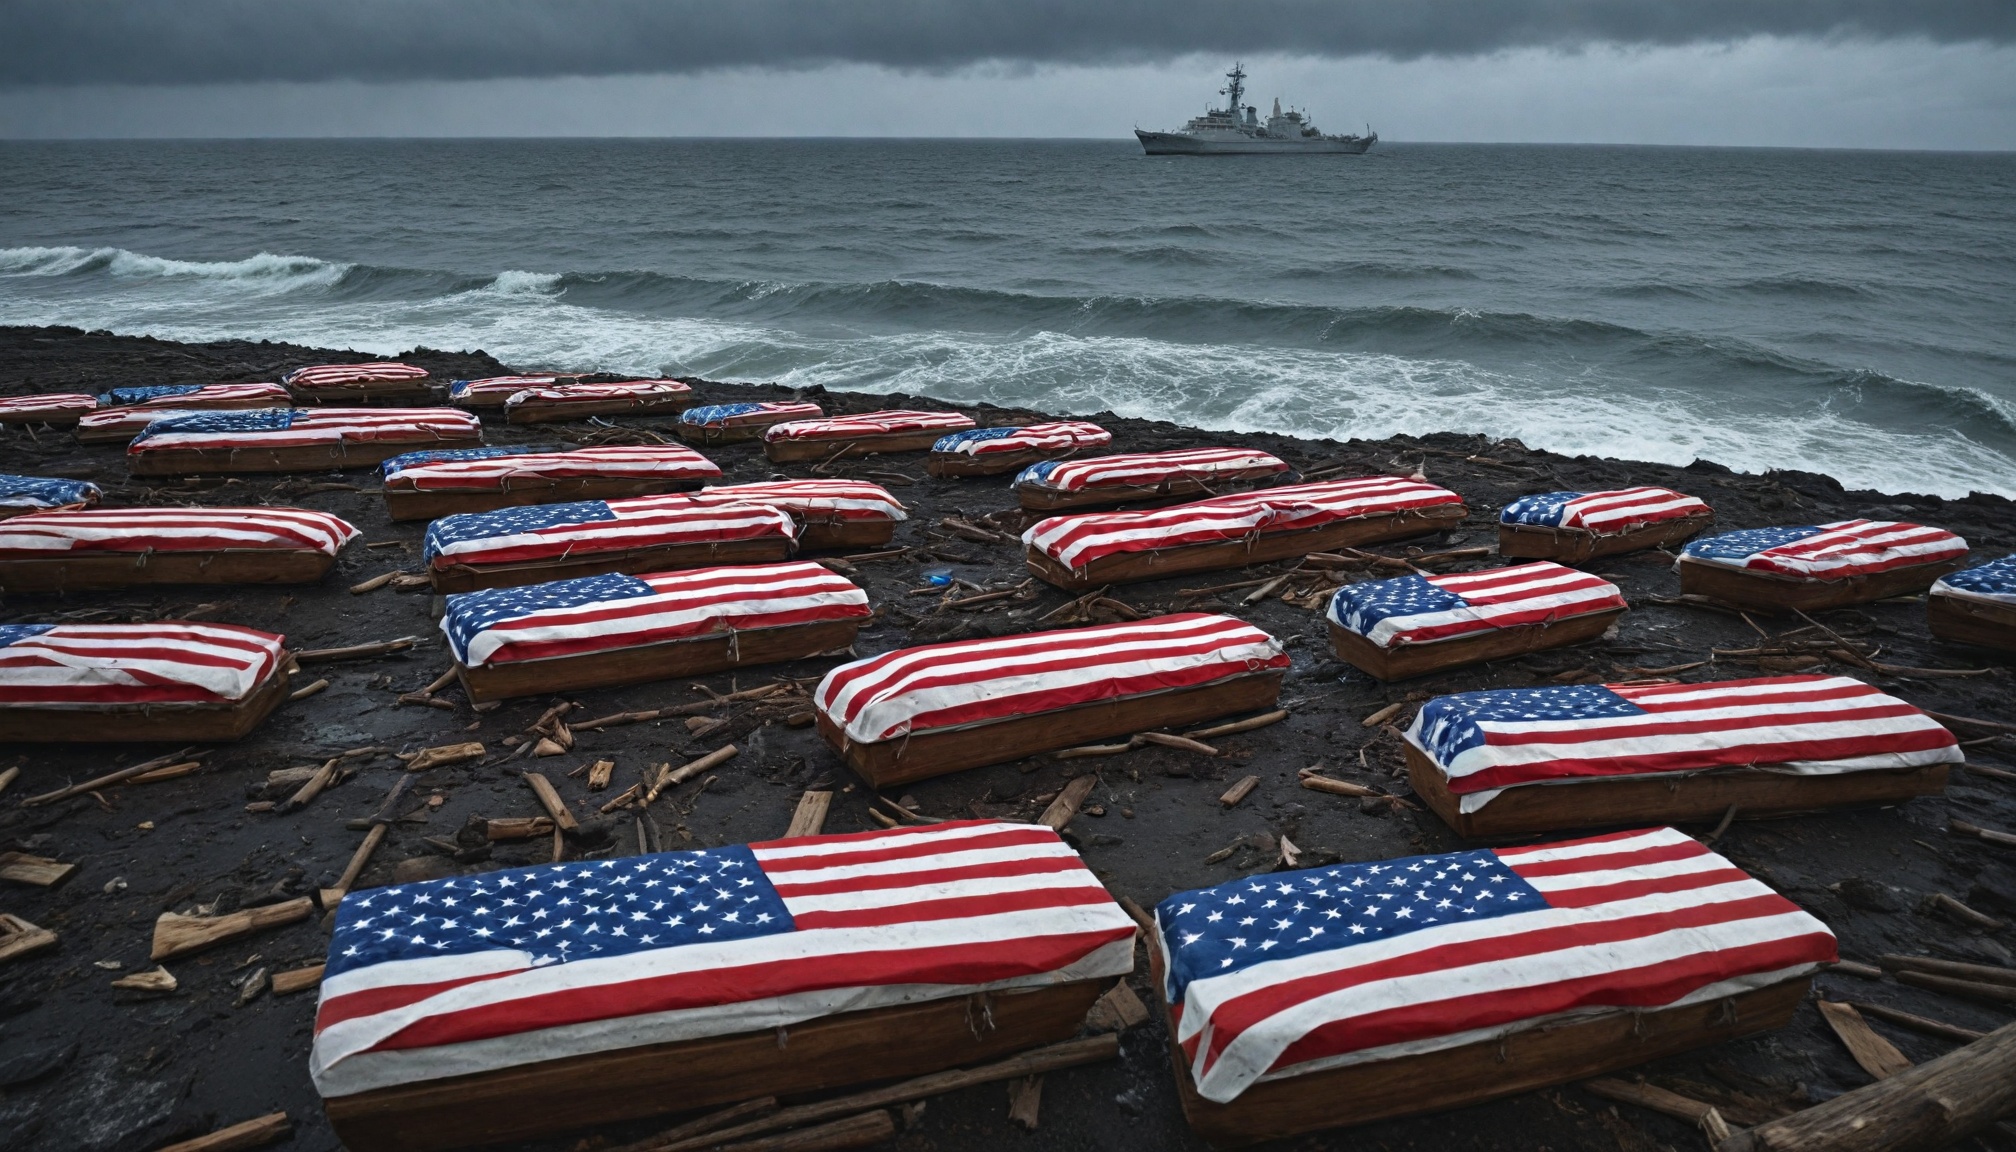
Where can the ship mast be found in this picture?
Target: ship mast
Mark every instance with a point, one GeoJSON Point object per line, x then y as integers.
{"type": "Point", "coordinates": [1236, 89]}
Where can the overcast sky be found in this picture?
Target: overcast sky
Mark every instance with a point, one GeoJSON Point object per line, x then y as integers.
{"type": "Point", "coordinates": [1826, 73]}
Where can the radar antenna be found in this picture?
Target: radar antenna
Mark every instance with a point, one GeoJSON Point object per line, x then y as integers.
{"type": "Point", "coordinates": [1236, 90]}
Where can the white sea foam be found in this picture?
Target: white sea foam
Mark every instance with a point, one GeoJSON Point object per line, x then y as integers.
{"type": "Point", "coordinates": [516, 283]}
{"type": "Point", "coordinates": [265, 271]}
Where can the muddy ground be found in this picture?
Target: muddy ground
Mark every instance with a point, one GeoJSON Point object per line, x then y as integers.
{"type": "Point", "coordinates": [85, 1068]}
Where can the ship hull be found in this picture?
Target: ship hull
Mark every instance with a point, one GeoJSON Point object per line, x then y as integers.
{"type": "Point", "coordinates": [1177, 144]}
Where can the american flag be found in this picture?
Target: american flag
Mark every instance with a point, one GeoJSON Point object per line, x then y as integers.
{"type": "Point", "coordinates": [46, 492]}
{"type": "Point", "coordinates": [1603, 513]}
{"type": "Point", "coordinates": [820, 501]}
{"type": "Point", "coordinates": [1992, 583]}
{"type": "Point", "coordinates": [581, 527]}
{"type": "Point", "coordinates": [502, 469]}
{"type": "Point", "coordinates": [1144, 469]}
{"type": "Point", "coordinates": [1058, 436]}
{"type": "Point", "coordinates": [553, 393]}
{"type": "Point", "coordinates": [1486, 741]}
{"type": "Point", "coordinates": [472, 974]}
{"type": "Point", "coordinates": [409, 460]}
{"type": "Point", "coordinates": [494, 389]}
{"type": "Point", "coordinates": [196, 396]}
{"type": "Point", "coordinates": [603, 613]}
{"type": "Point", "coordinates": [49, 406]}
{"type": "Point", "coordinates": [336, 376]}
{"type": "Point", "coordinates": [1424, 609]}
{"type": "Point", "coordinates": [866, 424]}
{"type": "Point", "coordinates": [1284, 974]}
{"type": "Point", "coordinates": [1837, 551]}
{"type": "Point", "coordinates": [748, 415]}
{"type": "Point", "coordinates": [172, 530]}
{"type": "Point", "coordinates": [288, 427]}
{"type": "Point", "coordinates": [86, 665]}
{"type": "Point", "coordinates": [968, 682]}
{"type": "Point", "coordinates": [1076, 541]}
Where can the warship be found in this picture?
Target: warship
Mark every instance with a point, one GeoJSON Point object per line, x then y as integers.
{"type": "Point", "coordinates": [1236, 129]}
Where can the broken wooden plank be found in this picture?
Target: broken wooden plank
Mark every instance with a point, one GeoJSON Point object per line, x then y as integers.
{"type": "Point", "coordinates": [1877, 1056]}
{"type": "Point", "coordinates": [748, 1109]}
{"type": "Point", "coordinates": [1383, 715]}
{"type": "Point", "coordinates": [853, 1132]}
{"type": "Point", "coordinates": [1335, 787]}
{"type": "Point", "coordinates": [691, 769]}
{"type": "Point", "coordinates": [1182, 743]}
{"type": "Point", "coordinates": [1934, 1105]}
{"type": "Point", "coordinates": [1118, 1010]}
{"type": "Point", "coordinates": [1066, 805]}
{"type": "Point", "coordinates": [19, 938]}
{"type": "Point", "coordinates": [1025, 1101]}
{"type": "Point", "coordinates": [1985, 835]}
{"type": "Point", "coordinates": [517, 828]}
{"type": "Point", "coordinates": [39, 871]}
{"type": "Point", "coordinates": [168, 772]}
{"type": "Point", "coordinates": [7, 777]}
{"type": "Point", "coordinates": [110, 778]}
{"type": "Point", "coordinates": [809, 818]}
{"type": "Point", "coordinates": [355, 651]}
{"type": "Point", "coordinates": [1239, 791]}
{"type": "Point", "coordinates": [1989, 973]}
{"type": "Point", "coordinates": [599, 774]}
{"type": "Point", "coordinates": [442, 754]}
{"type": "Point", "coordinates": [1246, 725]}
{"type": "Point", "coordinates": [255, 1133]}
{"type": "Point", "coordinates": [1653, 1098]}
{"type": "Point", "coordinates": [313, 787]}
{"type": "Point", "coordinates": [1917, 1023]}
{"type": "Point", "coordinates": [307, 690]}
{"type": "Point", "coordinates": [330, 897]}
{"type": "Point", "coordinates": [1941, 902]}
{"type": "Point", "coordinates": [297, 980]}
{"type": "Point", "coordinates": [178, 935]}
{"type": "Point", "coordinates": [563, 817]}
{"type": "Point", "coordinates": [1977, 989]}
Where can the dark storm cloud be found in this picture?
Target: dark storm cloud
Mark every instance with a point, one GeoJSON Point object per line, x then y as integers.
{"type": "Point", "coordinates": [68, 42]}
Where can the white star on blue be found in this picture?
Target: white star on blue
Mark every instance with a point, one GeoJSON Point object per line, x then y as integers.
{"type": "Point", "coordinates": [464, 526]}
{"type": "Point", "coordinates": [407, 460]}
{"type": "Point", "coordinates": [1038, 472]}
{"type": "Point", "coordinates": [43, 491]}
{"type": "Point", "coordinates": [140, 395]}
{"type": "Point", "coordinates": [1545, 508]}
{"type": "Point", "coordinates": [222, 423]}
{"type": "Point", "coordinates": [11, 634]}
{"type": "Point", "coordinates": [715, 413]}
{"type": "Point", "coordinates": [470, 613]}
{"type": "Point", "coordinates": [1995, 578]}
{"type": "Point", "coordinates": [1360, 607]}
{"type": "Point", "coordinates": [971, 436]}
{"type": "Point", "coordinates": [1748, 542]}
{"type": "Point", "coordinates": [1451, 724]}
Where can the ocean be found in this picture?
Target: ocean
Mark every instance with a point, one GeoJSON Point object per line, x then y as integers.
{"type": "Point", "coordinates": [1852, 313]}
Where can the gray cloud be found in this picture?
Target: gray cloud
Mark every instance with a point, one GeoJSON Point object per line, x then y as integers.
{"type": "Point", "coordinates": [73, 42]}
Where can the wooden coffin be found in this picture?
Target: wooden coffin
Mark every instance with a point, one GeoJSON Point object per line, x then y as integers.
{"type": "Point", "coordinates": [831, 515]}
{"type": "Point", "coordinates": [650, 662]}
{"type": "Point", "coordinates": [550, 403]}
{"type": "Point", "coordinates": [863, 434]}
{"type": "Point", "coordinates": [1771, 592]}
{"type": "Point", "coordinates": [1150, 476]}
{"type": "Point", "coordinates": [735, 423]}
{"type": "Point", "coordinates": [1965, 621]}
{"type": "Point", "coordinates": [1261, 548]}
{"type": "Point", "coordinates": [1579, 545]}
{"type": "Point", "coordinates": [493, 391]}
{"type": "Point", "coordinates": [377, 393]}
{"type": "Point", "coordinates": [22, 495]}
{"type": "Point", "coordinates": [1006, 449]}
{"type": "Point", "coordinates": [179, 723]}
{"type": "Point", "coordinates": [1406, 660]}
{"type": "Point", "coordinates": [844, 447]}
{"type": "Point", "coordinates": [470, 577]}
{"type": "Point", "coordinates": [844, 535]}
{"type": "Point", "coordinates": [62, 551]}
{"type": "Point", "coordinates": [1492, 1069]}
{"type": "Point", "coordinates": [295, 458]}
{"type": "Point", "coordinates": [380, 382]}
{"type": "Point", "coordinates": [1674, 798]}
{"type": "Point", "coordinates": [294, 439]}
{"type": "Point", "coordinates": [58, 410]}
{"type": "Point", "coordinates": [541, 1100]}
{"type": "Point", "coordinates": [405, 504]}
{"type": "Point", "coordinates": [88, 571]}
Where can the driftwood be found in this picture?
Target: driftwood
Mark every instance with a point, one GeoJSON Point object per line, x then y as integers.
{"type": "Point", "coordinates": [355, 651]}
{"type": "Point", "coordinates": [156, 981]}
{"type": "Point", "coordinates": [518, 828]}
{"type": "Point", "coordinates": [1067, 803]}
{"type": "Point", "coordinates": [1877, 1056]}
{"type": "Point", "coordinates": [1952, 968]}
{"type": "Point", "coordinates": [1985, 835]}
{"type": "Point", "coordinates": [307, 690]}
{"type": "Point", "coordinates": [1917, 1023]}
{"type": "Point", "coordinates": [809, 818]}
{"type": "Point", "coordinates": [7, 777]}
{"type": "Point", "coordinates": [297, 980]}
{"type": "Point", "coordinates": [1383, 715]}
{"type": "Point", "coordinates": [441, 754]}
{"type": "Point", "coordinates": [687, 771]}
{"type": "Point", "coordinates": [1118, 1010]}
{"type": "Point", "coordinates": [19, 938]}
{"type": "Point", "coordinates": [40, 871]}
{"type": "Point", "coordinates": [563, 817]}
{"type": "Point", "coordinates": [1246, 725]}
{"type": "Point", "coordinates": [1181, 743]}
{"type": "Point", "coordinates": [1239, 791]}
{"type": "Point", "coordinates": [250, 1134]}
{"type": "Point", "coordinates": [1653, 1098]}
{"type": "Point", "coordinates": [854, 1132]}
{"type": "Point", "coordinates": [748, 1109]}
{"type": "Point", "coordinates": [1941, 902]}
{"type": "Point", "coordinates": [1977, 989]}
{"type": "Point", "coordinates": [1932, 1105]}
{"type": "Point", "coordinates": [313, 786]}
{"type": "Point", "coordinates": [107, 780]}
{"type": "Point", "coordinates": [177, 935]}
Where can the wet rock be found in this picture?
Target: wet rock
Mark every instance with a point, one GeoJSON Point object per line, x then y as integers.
{"type": "Point", "coordinates": [107, 1110]}
{"type": "Point", "coordinates": [27, 1067]}
{"type": "Point", "coordinates": [417, 868]}
{"type": "Point", "coordinates": [1868, 895]}
{"type": "Point", "coordinates": [1994, 890]}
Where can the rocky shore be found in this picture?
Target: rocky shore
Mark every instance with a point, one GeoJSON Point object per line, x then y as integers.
{"type": "Point", "coordinates": [86, 1067]}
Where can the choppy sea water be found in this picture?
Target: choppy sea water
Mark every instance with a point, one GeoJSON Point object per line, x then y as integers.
{"type": "Point", "coordinates": [1843, 312]}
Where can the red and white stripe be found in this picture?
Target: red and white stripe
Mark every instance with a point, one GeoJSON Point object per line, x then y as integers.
{"type": "Point", "coordinates": [94, 665]}
{"type": "Point", "coordinates": [1076, 541]}
{"type": "Point", "coordinates": [1057, 436]}
{"type": "Point", "coordinates": [641, 522]}
{"type": "Point", "coordinates": [1849, 548]}
{"type": "Point", "coordinates": [1635, 921]}
{"type": "Point", "coordinates": [882, 918]}
{"type": "Point", "coordinates": [223, 396]}
{"type": "Point", "coordinates": [1146, 469]}
{"type": "Point", "coordinates": [318, 376]}
{"type": "Point", "coordinates": [1816, 725]}
{"type": "Point", "coordinates": [563, 394]}
{"type": "Point", "coordinates": [494, 389]}
{"type": "Point", "coordinates": [331, 426]}
{"type": "Point", "coordinates": [688, 605]}
{"type": "Point", "coordinates": [497, 473]}
{"type": "Point", "coordinates": [869, 424]}
{"type": "Point", "coordinates": [969, 682]}
{"type": "Point", "coordinates": [1538, 593]}
{"type": "Point", "coordinates": [1621, 510]}
{"type": "Point", "coordinates": [50, 406]}
{"type": "Point", "coordinates": [41, 534]}
{"type": "Point", "coordinates": [816, 501]}
{"type": "Point", "coordinates": [765, 413]}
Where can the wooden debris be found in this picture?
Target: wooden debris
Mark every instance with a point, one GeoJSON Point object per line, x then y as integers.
{"type": "Point", "coordinates": [623, 799]}
{"type": "Point", "coordinates": [974, 532]}
{"type": "Point", "coordinates": [170, 772]}
{"type": "Point", "coordinates": [1934, 1105]}
{"type": "Point", "coordinates": [563, 817]}
{"type": "Point", "coordinates": [330, 897]}
{"type": "Point", "coordinates": [1246, 725]}
{"type": "Point", "coordinates": [249, 1134]}
{"type": "Point", "coordinates": [1316, 783]}
{"type": "Point", "coordinates": [307, 690]}
{"type": "Point", "coordinates": [1985, 835]}
{"type": "Point", "coordinates": [19, 938]}
{"type": "Point", "coordinates": [1140, 915]}
{"type": "Point", "coordinates": [622, 718]}
{"type": "Point", "coordinates": [517, 828]}
{"type": "Point", "coordinates": [1917, 1023]}
{"type": "Point", "coordinates": [599, 774]}
{"type": "Point", "coordinates": [313, 787]}
{"type": "Point", "coordinates": [547, 746]}
{"type": "Point", "coordinates": [1877, 1056]}
{"type": "Point", "coordinates": [1267, 589]}
{"type": "Point", "coordinates": [375, 582]}
{"type": "Point", "coordinates": [1239, 791]}
{"type": "Point", "coordinates": [355, 651]}
{"type": "Point", "coordinates": [7, 777]}
{"type": "Point", "coordinates": [1383, 715]}
{"type": "Point", "coordinates": [687, 771]}
{"type": "Point", "coordinates": [1653, 1098]}
{"type": "Point", "coordinates": [1067, 803]}
{"type": "Point", "coordinates": [1941, 902]}
{"type": "Point", "coordinates": [40, 871]}
{"type": "Point", "coordinates": [1085, 750]}
{"type": "Point", "coordinates": [1182, 743]}
{"type": "Point", "coordinates": [297, 980]}
{"type": "Point", "coordinates": [809, 818]}
{"type": "Point", "coordinates": [1035, 1062]}
{"type": "Point", "coordinates": [1291, 856]}
{"type": "Point", "coordinates": [109, 779]}
{"type": "Point", "coordinates": [1953, 968]}
{"type": "Point", "coordinates": [442, 754]}
{"type": "Point", "coordinates": [177, 935]}
{"type": "Point", "coordinates": [853, 1132]}
{"type": "Point", "coordinates": [1971, 722]}
{"type": "Point", "coordinates": [1970, 769]}
{"type": "Point", "coordinates": [748, 1109]}
{"type": "Point", "coordinates": [1025, 1100]}
{"type": "Point", "coordinates": [1976, 989]}
{"type": "Point", "coordinates": [1118, 1010]}
{"type": "Point", "coordinates": [903, 815]}
{"type": "Point", "coordinates": [251, 987]}
{"type": "Point", "coordinates": [156, 980]}
{"type": "Point", "coordinates": [1851, 968]}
